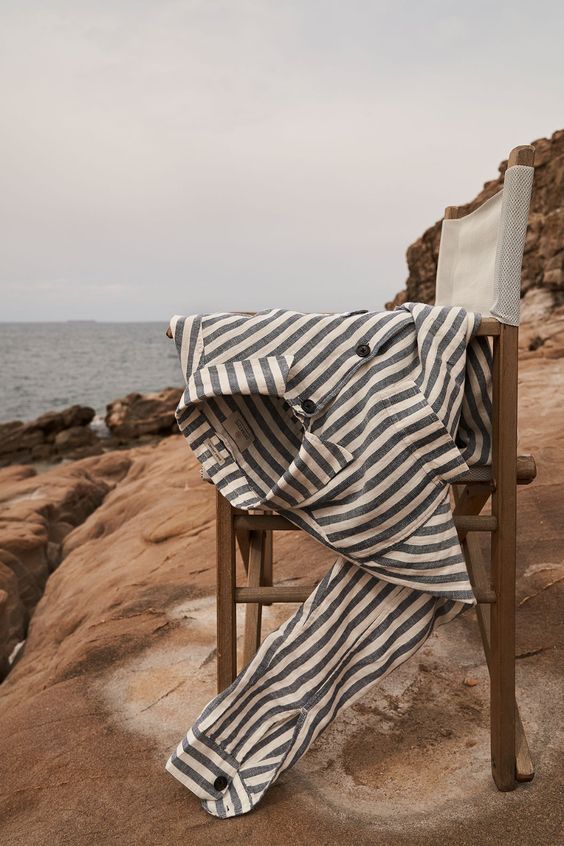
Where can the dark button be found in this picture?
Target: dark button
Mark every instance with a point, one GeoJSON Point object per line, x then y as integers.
{"type": "Point", "coordinates": [362, 350]}
{"type": "Point", "coordinates": [308, 406]}
{"type": "Point", "coordinates": [220, 783]}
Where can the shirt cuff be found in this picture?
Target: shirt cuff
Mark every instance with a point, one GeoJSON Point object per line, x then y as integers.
{"type": "Point", "coordinates": [203, 765]}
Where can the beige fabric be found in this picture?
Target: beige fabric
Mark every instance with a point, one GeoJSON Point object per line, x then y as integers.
{"type": "Point", "coordinates": [466, 266]}
{"type": "Point", "coordinates": [480, 256]}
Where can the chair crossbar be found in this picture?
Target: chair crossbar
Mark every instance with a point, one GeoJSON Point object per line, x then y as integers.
{"type": "Point", "coordinates": [265, 522]}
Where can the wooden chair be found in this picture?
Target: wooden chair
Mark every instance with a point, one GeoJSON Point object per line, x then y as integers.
{"type": "Point", "coordinates": [493, 584]}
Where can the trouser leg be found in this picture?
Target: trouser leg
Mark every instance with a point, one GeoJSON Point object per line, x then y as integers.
{"type": "Point", "coordinates": [351, 631]}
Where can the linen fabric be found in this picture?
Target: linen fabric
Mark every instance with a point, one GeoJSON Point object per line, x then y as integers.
{"type": "Point", "coordinates": [352, 426]}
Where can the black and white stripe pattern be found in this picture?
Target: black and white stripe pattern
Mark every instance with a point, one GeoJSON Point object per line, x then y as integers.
{"type": "Point", "coordinates": [356, 445]}
{"type": "Point", "coordinates": [353, 629]}
{"type": "Point", "coordinates": [366, 465]}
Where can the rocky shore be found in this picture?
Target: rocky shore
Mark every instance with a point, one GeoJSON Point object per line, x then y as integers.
{"type": "Point", "coordinates": [39, 509]}
{"type": "Point", "coordinates": [107, 573]}
{"type": "Point", "coordinates": [70, 433]}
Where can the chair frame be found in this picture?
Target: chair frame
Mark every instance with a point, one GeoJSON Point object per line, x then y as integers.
{"type": "Point", "coordinates": [493, 586]}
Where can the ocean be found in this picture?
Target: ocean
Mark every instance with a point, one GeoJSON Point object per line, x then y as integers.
{"type": "Point", "coordinates": [47, 366]}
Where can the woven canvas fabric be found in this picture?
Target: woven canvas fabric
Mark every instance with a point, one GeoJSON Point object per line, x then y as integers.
{"type": "Point", "coordinates": [351, 426]}
{"type": "Point", "coordinates": [467, 258]}
{"type": "Point", "coordinates": [481, 253]}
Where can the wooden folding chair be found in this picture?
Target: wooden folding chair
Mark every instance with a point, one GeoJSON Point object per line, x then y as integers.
{"type": "Point", "coordinates": [499, 258]}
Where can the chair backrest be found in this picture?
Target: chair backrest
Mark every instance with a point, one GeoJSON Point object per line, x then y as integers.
{"type": "Point", "coordinates": [481, 253]}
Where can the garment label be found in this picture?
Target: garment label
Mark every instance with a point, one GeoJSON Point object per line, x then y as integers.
{"type": "Point", "coordinates": [213, 448]}
{"type": "Point", "coordinates": [239, 430]}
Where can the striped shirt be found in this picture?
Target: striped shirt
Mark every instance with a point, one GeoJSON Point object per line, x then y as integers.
{"type": "Point", "coordinates": [352, 426]}
{"type": "Point", "coordinates": [346, 425]}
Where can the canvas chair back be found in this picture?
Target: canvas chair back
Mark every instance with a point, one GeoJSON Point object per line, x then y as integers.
{"type": "Point", "coordinates": [480, 255]}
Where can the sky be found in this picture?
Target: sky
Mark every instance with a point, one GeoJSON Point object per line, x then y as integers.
{"type": "Point", "coordinates": [166, 157]}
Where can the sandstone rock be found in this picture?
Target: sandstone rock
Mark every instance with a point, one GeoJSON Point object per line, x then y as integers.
{"type": "Point", "coordinates": [77, 442]}
{"type": "Point", "coordinates": [136, 418]}
{"type": "Point", "coordinates": [4, 630]}
{"type": "Point", "coordinates": [14, 615]}
{"type": "Point", "coordinates": [138, 415]}
{"type": "Point", "coordinates": [76, 436]}
{"type": "Point", "coordinates": [28, 590]}
{"type": "Point", "coordinates": [57, 421]}
{"type": "Point", "coordinates": [47, 437]}
{"type": "Point", "coordinates": [14, 473]}
{"type": "Point", "coordinates": [37, 512]}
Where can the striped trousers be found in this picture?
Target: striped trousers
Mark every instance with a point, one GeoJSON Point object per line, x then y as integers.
{"type": "Point", "coordinates": [353, 629]}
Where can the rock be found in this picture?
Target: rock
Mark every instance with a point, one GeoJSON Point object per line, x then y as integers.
{"type": "Point", "coordinates": [47, 438]}
{"type": "Point", "coordinates": [57, 421]}
{"type": "Point", "coordinates": [544, 247]}
{"type": "Point", "coordinates": [76, 436]}
{"type": "Point", "coordinates": [77, 442]}
{"type": "Point", "coordinates": [14, 615]}
{"type": "Point", "coordinates": [120, 653]}
{"type": "Point", "coordinates": [536, 304]}
{"type": "Point", "coordinates": [138, 415]}
{"type": "Point", "coordinates": [28, 590]}
{"type": "Point", "coordinates": [37, 512]}
{"type": "Point", "coordinates": [136, 418]}
{"type": "Point", "coordinates": [14, 473]}
{"type": "Point", "coordinates": [4, 631]}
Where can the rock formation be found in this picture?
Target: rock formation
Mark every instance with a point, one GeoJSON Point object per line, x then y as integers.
{"type": "Point", "coordinates": [57, 435]}
{"type": "Point", "coordinates": [138, 415]}
{"type": "Point", "coordinates": [543, 260]}
{"type": "Point", "coordinates": [52, 436]}
{"type": "Point", "coordinates": [37, 512]}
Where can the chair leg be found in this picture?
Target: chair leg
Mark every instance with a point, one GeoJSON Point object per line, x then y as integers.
{"type": "Point", "coordinates": [468, 502]}
{"type": "Point", "coordinates": [524, 767]}
{"type": "Point", "coordinates": [503, 558]}
{"type": "Point", "coordinates": [253, 615]}
{"type": "Point", "coordinates": [226, 583]}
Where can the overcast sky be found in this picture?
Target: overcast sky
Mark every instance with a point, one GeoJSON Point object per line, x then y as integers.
{"type": "Point", "coordinates": [165, 157]}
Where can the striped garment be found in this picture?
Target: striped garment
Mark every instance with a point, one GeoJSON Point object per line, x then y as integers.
{"type": "Point", "coordinates": [351, 426]}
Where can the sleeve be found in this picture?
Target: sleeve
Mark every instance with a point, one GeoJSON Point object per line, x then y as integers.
{"type": "Point", "coordinates": [353, 629]}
